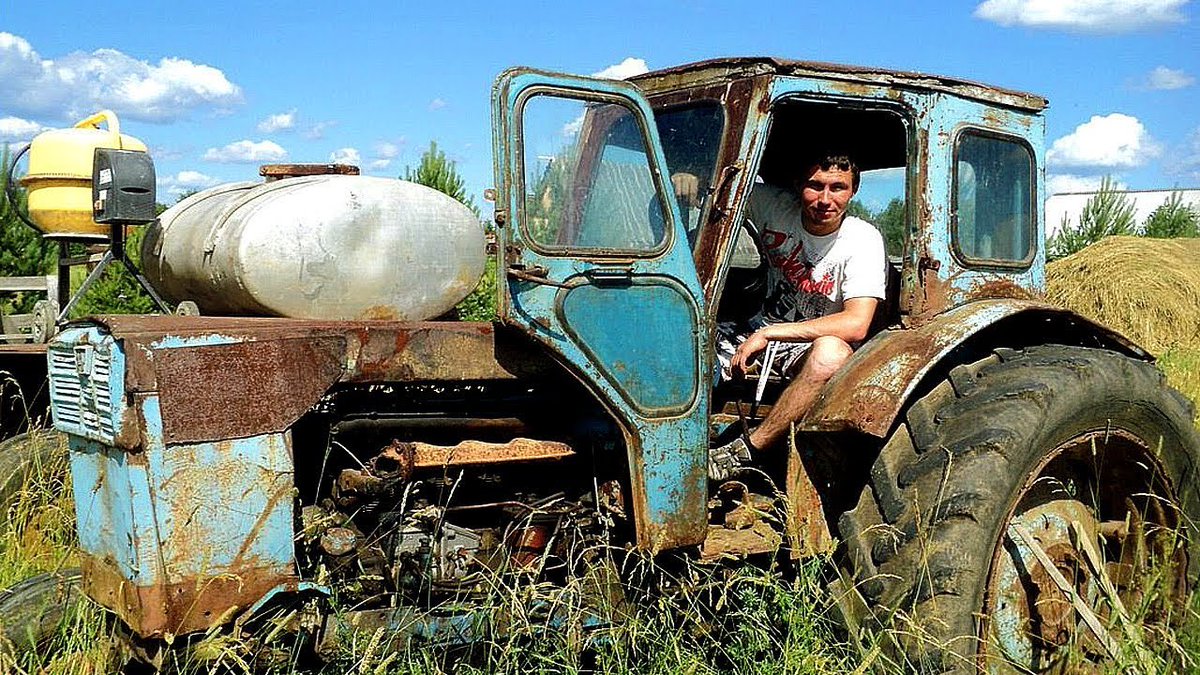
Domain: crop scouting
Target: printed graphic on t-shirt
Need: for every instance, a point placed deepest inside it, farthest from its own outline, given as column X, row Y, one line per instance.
column 797, row 293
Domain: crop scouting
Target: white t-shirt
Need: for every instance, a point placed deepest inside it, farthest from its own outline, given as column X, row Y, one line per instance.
column 813, row 276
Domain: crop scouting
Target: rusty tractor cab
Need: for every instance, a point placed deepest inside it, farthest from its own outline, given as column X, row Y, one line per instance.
column 231, row 470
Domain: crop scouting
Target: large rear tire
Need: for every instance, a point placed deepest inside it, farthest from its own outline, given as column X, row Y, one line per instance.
column 1051, row 444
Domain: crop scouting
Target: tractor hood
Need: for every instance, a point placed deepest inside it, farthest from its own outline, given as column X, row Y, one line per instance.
column 205, row 370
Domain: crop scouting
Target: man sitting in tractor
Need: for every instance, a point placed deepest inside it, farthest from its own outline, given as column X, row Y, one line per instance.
column 827, row 273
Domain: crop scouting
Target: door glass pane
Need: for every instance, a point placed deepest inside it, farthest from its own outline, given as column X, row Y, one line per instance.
column 994, row 215
column 691, row 137
column 587, row 177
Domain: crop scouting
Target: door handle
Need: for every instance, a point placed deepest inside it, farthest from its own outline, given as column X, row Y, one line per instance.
column 611, row 275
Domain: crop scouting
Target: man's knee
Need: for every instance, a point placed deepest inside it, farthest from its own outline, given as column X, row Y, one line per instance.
column 825, row 357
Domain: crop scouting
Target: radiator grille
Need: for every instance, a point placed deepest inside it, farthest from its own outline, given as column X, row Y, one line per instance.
column 81, row 390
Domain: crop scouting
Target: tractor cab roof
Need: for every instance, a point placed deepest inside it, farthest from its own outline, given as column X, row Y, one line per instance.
column 714, row 71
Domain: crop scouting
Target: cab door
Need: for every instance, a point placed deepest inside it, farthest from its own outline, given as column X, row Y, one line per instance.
column 594, row 264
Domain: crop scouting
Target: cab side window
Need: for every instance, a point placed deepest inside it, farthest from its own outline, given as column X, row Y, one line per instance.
column 993, row 201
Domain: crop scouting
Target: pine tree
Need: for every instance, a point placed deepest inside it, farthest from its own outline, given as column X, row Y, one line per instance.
column 441, row 174
column 1173, row 218
column 1107, row 213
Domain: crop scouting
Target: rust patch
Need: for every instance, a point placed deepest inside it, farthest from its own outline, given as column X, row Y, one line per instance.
column 278, row 171
column 215, row 392
column 468, row 453
column 178, row 608
column 867, row 394
column 808, row 533
column 380, row 313
column 722, row 542
column 1000, row 288
column 853, row 88
column 997, row 117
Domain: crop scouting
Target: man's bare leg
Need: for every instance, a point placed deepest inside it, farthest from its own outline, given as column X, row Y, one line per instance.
column 826, row 355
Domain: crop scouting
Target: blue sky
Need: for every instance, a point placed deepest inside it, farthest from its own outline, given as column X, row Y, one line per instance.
column 216, row 88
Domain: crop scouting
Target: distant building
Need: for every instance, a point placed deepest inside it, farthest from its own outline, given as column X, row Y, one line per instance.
column 1144, row 202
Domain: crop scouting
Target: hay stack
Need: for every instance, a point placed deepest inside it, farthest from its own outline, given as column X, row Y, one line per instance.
column 1148, row 289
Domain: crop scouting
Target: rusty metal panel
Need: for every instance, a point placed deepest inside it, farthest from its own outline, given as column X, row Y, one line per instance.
column 808, row 533
column 222, row 391
column 224, row 378
column 715, row 70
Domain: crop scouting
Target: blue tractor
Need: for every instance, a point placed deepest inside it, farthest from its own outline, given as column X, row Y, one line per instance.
column 995, row 468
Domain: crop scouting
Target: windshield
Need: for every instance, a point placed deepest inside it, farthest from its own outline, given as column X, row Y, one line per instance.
column 691, row 139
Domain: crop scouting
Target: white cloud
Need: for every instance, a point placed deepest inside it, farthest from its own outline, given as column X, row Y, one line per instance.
column 185, row 181
column 1185, row 160
column 1062, row 183
column 246, row 152
column 379, row 164
column 626, row 69
column 284, row 121
column 164, row 152
column 571, row 128
column 1100, row 16
column 1164, row 78
column 1115, row 141
column 437, row 104
column 346, row 156
column 17, row 129
column 317, row 131
column 77, row 84
column 386, row 150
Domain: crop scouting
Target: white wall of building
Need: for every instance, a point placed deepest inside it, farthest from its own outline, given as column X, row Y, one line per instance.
column 1144, row 203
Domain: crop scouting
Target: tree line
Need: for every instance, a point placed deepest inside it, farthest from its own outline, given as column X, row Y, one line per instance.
column 1110, row 212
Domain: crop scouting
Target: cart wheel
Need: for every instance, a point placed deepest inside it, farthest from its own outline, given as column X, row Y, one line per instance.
column 45, row 316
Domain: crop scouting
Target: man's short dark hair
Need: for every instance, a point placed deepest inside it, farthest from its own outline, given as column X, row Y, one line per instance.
column 830, row 161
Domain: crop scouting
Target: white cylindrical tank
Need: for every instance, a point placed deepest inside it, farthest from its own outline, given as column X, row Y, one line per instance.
column 317, row 247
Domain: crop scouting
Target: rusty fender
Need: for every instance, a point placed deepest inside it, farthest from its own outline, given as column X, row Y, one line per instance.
column 874, row 387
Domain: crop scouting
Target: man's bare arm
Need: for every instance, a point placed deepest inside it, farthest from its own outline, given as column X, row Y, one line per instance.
column 851, row 325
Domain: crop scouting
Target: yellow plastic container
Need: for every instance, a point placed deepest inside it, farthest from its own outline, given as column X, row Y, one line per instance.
column 59, row 181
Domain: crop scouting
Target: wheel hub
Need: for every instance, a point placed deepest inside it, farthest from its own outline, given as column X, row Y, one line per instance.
column 1032, row 619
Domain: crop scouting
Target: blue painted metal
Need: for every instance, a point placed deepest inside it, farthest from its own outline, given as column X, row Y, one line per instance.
column 621, row 316
column 655, row 373
column 171, row 536
column 175, row 341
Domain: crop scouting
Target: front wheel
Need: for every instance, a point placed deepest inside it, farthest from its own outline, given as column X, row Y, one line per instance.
column 33, row 611
column 1034, row 512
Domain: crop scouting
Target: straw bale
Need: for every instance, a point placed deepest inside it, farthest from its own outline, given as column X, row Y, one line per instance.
column 1148, row 289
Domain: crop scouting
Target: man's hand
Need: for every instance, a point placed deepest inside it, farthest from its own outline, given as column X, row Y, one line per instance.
column 687, row 188
column 745, row 352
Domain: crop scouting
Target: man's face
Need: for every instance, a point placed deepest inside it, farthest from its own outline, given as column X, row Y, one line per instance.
column 824, row 194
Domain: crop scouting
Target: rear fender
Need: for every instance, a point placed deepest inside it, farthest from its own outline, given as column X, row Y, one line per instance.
column 873, row 388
